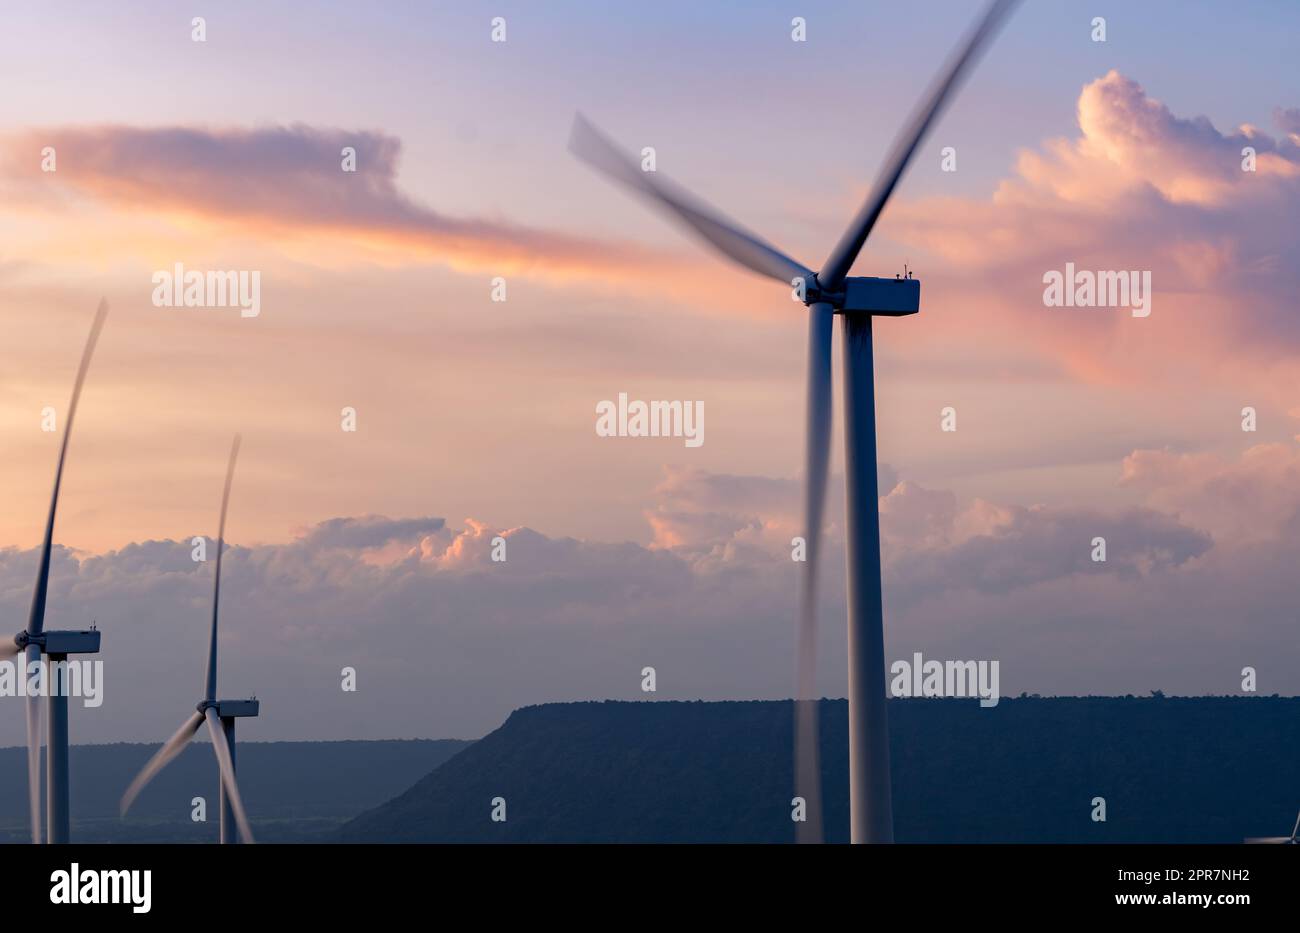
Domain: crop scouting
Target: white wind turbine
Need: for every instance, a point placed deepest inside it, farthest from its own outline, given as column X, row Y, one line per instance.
column 826, row 293
column 34, row 641
column 220, row 715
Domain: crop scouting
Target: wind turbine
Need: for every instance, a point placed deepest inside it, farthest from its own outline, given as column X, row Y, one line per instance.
column 826, row 293
column 1290, row 840
column 220, row 715
column 34, row 641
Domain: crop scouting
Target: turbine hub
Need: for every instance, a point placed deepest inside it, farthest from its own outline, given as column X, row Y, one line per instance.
column 813, row 293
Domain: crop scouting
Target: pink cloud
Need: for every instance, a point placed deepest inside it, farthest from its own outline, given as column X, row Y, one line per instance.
column 1139, row 188
column 1253, row 498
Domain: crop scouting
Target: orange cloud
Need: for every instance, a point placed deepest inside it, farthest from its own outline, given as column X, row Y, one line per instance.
column 288, row 181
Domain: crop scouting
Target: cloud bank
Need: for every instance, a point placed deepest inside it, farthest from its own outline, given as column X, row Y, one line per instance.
column 446, row 640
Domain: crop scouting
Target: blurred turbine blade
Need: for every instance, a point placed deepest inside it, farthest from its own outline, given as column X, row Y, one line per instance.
column 724, row 235
column 808, row 777
column 227, row 767
column 161, row 758
column 210, row 686
column 36, row 621
column 846, row 251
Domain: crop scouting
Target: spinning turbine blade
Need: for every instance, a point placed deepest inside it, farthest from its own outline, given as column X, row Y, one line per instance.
column 1270, row 840
column 905, row 145
column 33, row 750
column 36, row 621
column 161, row 759
column 228, row 773
column 211, row 684
column 808, row 777
column 9, row 649
column 729, row 238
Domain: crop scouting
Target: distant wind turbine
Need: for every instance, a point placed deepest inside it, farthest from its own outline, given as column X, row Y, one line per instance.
column 56, row 646
column 827, row 293
column 1279, row 840
column 220, row 715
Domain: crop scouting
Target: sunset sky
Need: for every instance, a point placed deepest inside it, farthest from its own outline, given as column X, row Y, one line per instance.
column 476, row 418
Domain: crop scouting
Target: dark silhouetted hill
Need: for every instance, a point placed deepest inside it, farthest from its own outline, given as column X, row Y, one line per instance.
column 294, row 791
column 1198, row 769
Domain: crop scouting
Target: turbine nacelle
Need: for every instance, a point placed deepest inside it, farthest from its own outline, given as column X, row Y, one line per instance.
column 70, row 642
column 867, row 294
column 85, row 641
column 231, row 709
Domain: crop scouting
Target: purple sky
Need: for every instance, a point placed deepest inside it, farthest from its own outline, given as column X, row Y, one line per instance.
column 476, row 418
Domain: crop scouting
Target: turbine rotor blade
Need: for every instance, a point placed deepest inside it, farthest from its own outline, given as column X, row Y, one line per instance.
column 36, row 621
column 33, row 750
column 9, row 649
column 210, row 686
column 227, row 767
column 1269, row 840
column 161, row 759
column 727, row 237
column 905, row 145
column 816, row 465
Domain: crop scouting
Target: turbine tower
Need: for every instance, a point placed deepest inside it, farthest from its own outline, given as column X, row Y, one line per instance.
column 34, row 641
column 220, row 715
column 827, row 293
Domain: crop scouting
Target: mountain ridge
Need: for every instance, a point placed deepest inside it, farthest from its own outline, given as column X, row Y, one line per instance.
column 1026, row 770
